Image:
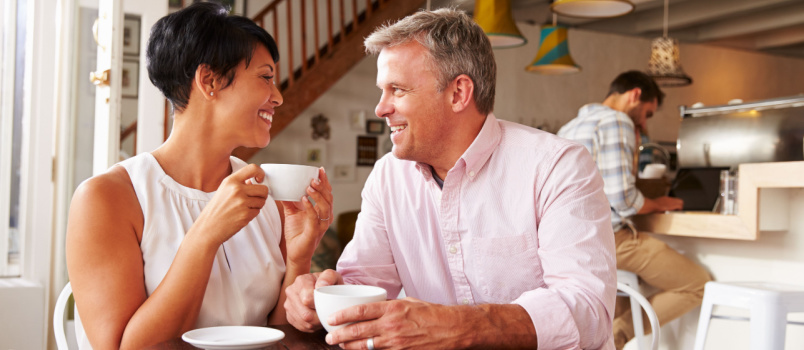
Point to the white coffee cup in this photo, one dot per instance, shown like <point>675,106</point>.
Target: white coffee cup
<point>330,299</point>
<point>288,182</point>
<point>653,171</point>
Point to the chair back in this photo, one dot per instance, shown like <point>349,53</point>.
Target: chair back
<point>654,320</point>
<point>58,317</point>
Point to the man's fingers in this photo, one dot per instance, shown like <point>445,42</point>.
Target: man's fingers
<point>353,334</point>
<point>308,298</point>
<point>328,278</point>
<point>358,313</point>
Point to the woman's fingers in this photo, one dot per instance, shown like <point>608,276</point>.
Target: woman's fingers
<point>255,202</point>
<point>256,190</point>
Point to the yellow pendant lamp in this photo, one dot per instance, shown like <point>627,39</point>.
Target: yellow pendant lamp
<point>553,56</point>
<point>592,8</point>
<point>495,17</point>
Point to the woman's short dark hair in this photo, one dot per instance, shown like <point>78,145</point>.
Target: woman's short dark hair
<point>636,79</point>
<point>202,33</point>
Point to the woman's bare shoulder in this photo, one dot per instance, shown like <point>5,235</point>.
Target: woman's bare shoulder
<point>108,199</point>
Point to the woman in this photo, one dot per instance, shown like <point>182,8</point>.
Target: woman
<point>180,238</point>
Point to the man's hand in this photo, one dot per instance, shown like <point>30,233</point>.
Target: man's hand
<point>399,324</point>
<point>411,323</point>
<point>300,305</point>
<point>661,204</point>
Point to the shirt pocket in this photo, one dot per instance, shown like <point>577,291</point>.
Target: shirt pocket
<point>506,267</point>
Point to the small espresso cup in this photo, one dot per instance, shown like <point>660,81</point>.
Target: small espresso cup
<point>330,299</point>
<point>288,182</point>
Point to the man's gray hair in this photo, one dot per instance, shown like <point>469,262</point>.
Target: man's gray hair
<point>457,45</point>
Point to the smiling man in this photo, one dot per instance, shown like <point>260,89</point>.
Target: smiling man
<point>499,233</point>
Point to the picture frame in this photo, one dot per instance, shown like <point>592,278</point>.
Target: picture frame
<point>131,78</point>
<point>375,127</point>
<point>131,36</point>
<point>314,154</point>
<point>343,173</point>
<point>176,4</point>
<point>366,150</point>
<point>357,120</point>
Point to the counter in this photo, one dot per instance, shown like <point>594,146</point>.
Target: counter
<point>763,205</point>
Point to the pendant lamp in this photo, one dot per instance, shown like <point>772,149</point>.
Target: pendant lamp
<point>497,21</point>
<point>592,8</point>
<point>664,65</point>
<point>553,56</point>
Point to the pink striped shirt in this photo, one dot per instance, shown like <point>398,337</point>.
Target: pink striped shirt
<point>522,218</point>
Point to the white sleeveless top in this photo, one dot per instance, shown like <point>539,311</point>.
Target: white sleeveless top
<point>247,273</point>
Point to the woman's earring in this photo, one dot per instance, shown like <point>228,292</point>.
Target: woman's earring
<point>211,93</point>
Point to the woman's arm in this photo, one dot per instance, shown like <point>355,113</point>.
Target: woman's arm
<point>303,226</point>
<point>105,262</point>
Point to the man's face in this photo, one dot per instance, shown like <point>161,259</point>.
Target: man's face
<point>410,102</point>
<point>641,111</point>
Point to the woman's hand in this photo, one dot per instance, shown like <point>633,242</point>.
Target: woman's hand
<point>234,205</point>
<point>306,223</point>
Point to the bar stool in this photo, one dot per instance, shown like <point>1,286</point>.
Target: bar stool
<point>769,304</point>
<point>630,279</point>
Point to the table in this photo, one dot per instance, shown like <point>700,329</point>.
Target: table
<point>294,339</point>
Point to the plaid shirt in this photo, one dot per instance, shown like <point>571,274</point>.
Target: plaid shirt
<point>609,136</point>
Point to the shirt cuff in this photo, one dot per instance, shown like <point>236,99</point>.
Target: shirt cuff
<point>552,319</point>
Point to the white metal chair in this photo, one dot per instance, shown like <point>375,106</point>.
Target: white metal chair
<point>632,280</point>
<point>769,304</point>
<point>58,317</point>
<point>645,304</point>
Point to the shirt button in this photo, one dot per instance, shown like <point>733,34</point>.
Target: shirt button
<point>453,250</point>
<point>472,173</point>
<point>465,301</point>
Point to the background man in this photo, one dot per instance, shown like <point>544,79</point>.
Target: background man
<point>499,233</point>
<point>610,131</point>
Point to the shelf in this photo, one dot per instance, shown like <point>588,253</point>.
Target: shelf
<point>766,212</point>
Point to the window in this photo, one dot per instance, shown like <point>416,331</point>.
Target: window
<point>12,68</point>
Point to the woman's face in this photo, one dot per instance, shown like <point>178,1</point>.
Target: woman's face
<point>247,106</point>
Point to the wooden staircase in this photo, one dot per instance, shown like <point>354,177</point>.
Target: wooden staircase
<point>306,76</point>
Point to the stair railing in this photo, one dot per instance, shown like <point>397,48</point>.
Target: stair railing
<point>295,39</point>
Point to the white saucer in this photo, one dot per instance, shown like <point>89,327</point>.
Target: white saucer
<point>233,337</point>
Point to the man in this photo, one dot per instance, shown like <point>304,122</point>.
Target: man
<point>498,233</point>
<point>610,131</point>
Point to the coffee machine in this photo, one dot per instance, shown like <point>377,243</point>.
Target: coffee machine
<point>716,138</point>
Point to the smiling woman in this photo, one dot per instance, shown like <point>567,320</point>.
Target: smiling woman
<point>162,238</point>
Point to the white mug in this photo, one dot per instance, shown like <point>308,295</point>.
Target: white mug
<point>330,299</point>
<point>288,182</point>
<point>654,171</point>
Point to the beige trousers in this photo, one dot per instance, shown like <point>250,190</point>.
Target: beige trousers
<point>680,281</point>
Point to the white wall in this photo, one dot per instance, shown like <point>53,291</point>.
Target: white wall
<point>719,75</point>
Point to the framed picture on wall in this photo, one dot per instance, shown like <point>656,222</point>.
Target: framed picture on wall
<point>375,127</point>
<point>131,36</point>
<point>314,154</point>
<point>357,120</point>
<point>175,4</point>
<point>366,150</point>
<point>130,80</point>
<point>343,173</point>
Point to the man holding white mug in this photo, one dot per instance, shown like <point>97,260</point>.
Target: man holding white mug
<point>499,233</point>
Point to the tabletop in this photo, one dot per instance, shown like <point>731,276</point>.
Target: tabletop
<point>294,339</point>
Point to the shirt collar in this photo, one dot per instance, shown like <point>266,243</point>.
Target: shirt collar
<point>478,153</point>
